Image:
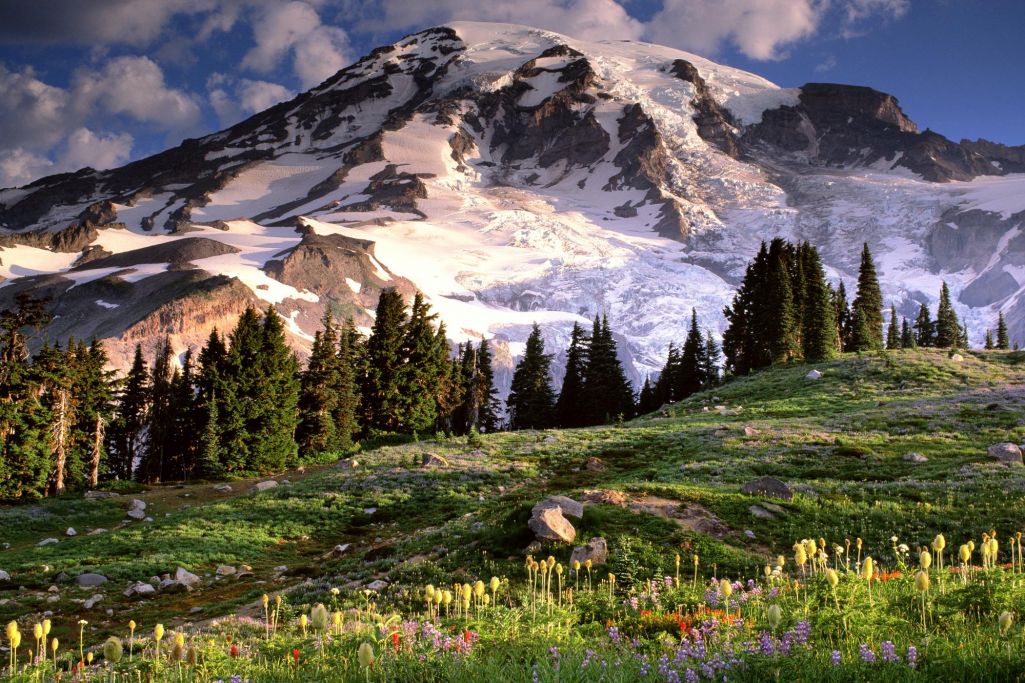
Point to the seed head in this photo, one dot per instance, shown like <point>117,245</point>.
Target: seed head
<point>832,577</point>
<point>926,559</point>
<point>47,624</point>
<point>365,655</point>
<point>939,543</point>
<point>37,631</point>
<point>113,650</point>
<point>1005,621</point>
<point>496,582</point>
<point>964,552</point>
<point>868,569</point>
<point>774,616</point>
<point>922,581</point>
<point>319,618</point>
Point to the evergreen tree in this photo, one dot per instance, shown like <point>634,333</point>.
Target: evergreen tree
<point>925,334</point>
<point>125,440</point>
<point>775,318</point>
<point>1003,341</point>
<point>869,302</point>
<point>893,332</point>
<point>450,396</point>
<point>713,357</point>
<point>962,337</point>
<point>691,376</point>
<point>818,336</point>
<point>531,402</point>
<point>844,321</point>
<point>948,329</point>
<point>53,370</point>
<point>488,418</point>
<point>569,409</point>
<point>907,337</point>
<point>209,448</point>
<point>607,394</point>
<point>273,445</point>
<point>664,385</point>
<point>424,353</point>
<point>988,343</point>
<point>346,388</point>
<point>646,402</point>
<point>741,339</point>
<point>381,391</point>
<point>317,397</point>
<point>160,437</point>
<point>240,392</point>
<point>469,409</point>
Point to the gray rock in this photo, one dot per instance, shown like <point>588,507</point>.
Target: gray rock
<point>100,494</point>
<point>91,602</point>
<point>750,534</point>
<point>150,519</point>
<point>90,580</point>
<point>144,589</point>
<point>772,507</point>
<point>97,532</point>
<point>137,504</point>
<point>226,570</point>
<point>137,514</point>
<point>222,488</point>
<point>172,586</point>
<point>196,610</point>
<point>549,524</point>
<point>47,541</point>
<point>915,457</point>
<point>378,585</point>
<point>281,569</point>
<point>767,486</point>
<point>814,374</point>
<point>568,506</point>
<point>341,548</point>
<point>265,485</point>
<point>1007,453</point>
<point>433,460</point>
<point>4,576</point>
<point>597,551</point>
<point>750,431</point>
<point>348,464</point>
<point>71,531</point>
<point>186,578</point>
<point>760,512</point>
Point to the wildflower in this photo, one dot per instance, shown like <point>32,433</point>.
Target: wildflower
<point>835,658</point>
<point>365,655</point>
<point>295,657</point>
<point>889,652</point>
<point>774,616</point>
<point>303,623</point>
<point>233,651</point>
<point>319,618</point>
<point>832,577</point>
<point>113,650</point>
<point>726,588</point>
<point>89,658</point>
<point>866,654</point>
<point>922,580</point>
<point>912,656</point>
<point>926,559</point>
<point>1005,621</point>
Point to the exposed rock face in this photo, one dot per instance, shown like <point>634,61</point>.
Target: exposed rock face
<point>767,486</point>
<point>715,123</point>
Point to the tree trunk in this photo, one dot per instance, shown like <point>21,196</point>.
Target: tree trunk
<point>59,437</point>
<point>94,473</point>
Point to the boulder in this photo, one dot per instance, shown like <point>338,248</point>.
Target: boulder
<point>4,577</point>
<point>71,531</point>
<point>225,570</point>
<point>760,512</point>
<point>47,541</point>
<point>549,524</point>
<point>139,588</point>
<point>137,514</point>
<point>186,578</point>
<point>91,602</point>
<point>915,457</point>
<point>814,374</point>
<point>265,485</point>
<point>172,586</point>
<point>433,460</point>
<point>597,551</point>
<point>341,548</point>
<point>568,506</point>
<point>137,504</point>
<point>222,488</point>
<point>594,464</point>
<point>348,464</point>
<point>767,486</point>
<point>90,580</point>
<point>378,585</point>
<point>957,358</point>
<point>1007,453</point>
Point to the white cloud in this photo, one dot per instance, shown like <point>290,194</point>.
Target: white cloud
<point>858,12</point>
<point>585,19</point>
<point>231,99</point>
<point>295,29</point>
<point>85,148</point>
<point>32,113</point>
<point>135,86</point>
<point>758,28</point>
<point>19,166</point>
<point>259,95</point>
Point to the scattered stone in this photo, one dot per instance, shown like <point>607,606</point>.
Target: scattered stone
<point>433,460</point>
<point>4,576</point>
<point>150,519</point>
<point>47,541</point>
<point>760,512</point>
<point>100,494</point>
<point>265,485</point>
<point>369,511</point>
<point>567,505</point>
<point>767,486</point>
<point>97,532</point>
<point>750,534</point>
<point>172,586</point>
<point>71,531</point>
<point>91,602</point>
<point>90,580</point>
<point>139,588</point>
<point>772,507</point>
<point>597,551</point>
<point>53,589</point>
<point>602,497</point>
<point>750,431</point>
<point>155,580</point>
<point>222,488</point>
<point>549,524</point>
<point>1007,453</point>
<point>137,504</point>
<point>551,438</point>
<point>226,570</point>
<point>285,482</point>
<point>341,548</point>
<point>915,457</point>
<point>186,578</point>
<point>281,569</point>
<point>53,599</point>
<point>195,610</point>
<point>348,464</point>
<point>957,358</point>
<point>594,464</point>
<point>378,585</point>
<point>814,374</point>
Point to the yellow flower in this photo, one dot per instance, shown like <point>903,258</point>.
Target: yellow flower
<point>495,582</point>
<point>53,645</point>
<point>158,632</point>
<point>926,559</point>
<point>868,569</point>
<point>832,577</point>
<point>12,628</point>
<point>15,639</point>
<point>179,639</point>
<point>89,657</point>
<point>37,631</point>
<point>965,553</point>
<point>726,588</point>
<point>922,582</point>
<point>46,627</point>
<point>939,543</point>
<point>131,625</point>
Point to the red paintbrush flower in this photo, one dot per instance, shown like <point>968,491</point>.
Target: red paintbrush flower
<point>395,640</point>
<point>295,656</point>
<point>234,650</point>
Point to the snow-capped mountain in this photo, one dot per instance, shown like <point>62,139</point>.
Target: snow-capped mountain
<point>516,175</point>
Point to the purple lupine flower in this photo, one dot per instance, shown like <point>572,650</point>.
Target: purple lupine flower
<point>669,581</point>
<point>889,652</point>
<point>588,656</point>
<point>614,635</point>
<point>802,632</point>
<point>672,677</point>
<point>866,654</point>
<point>690,676</point>
<point>534,675</point>
<point>835,658</point>
<point>634,602</point>
<point>912,656</point>
<point>766,645</point>
<point>553,652</point>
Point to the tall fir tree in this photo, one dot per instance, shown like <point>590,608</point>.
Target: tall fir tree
<point>1003,340</point>
<point>691,376</point>
<point>607,394</point>
<point>988,341</point>
<point>488,419</point>
<point>776,317</point>
<point>160,439</point>
<point>893,331</point>
<point>317,398</point>
<point>818,333</point>
<point>666,382</point>
<point>531,402</point>
<point>925,330</point>
<point>713,358</point>
<point>844,322</point>
<point>273,445</point>
<point>125,438</point>
<point>346,388</point>
<point>646,402</point>
<point>907,336</point>
<point>424,352</point>
<point>868,334</point>
<point>568,408</point>
<point>382,390</point>
<point>948,329</point>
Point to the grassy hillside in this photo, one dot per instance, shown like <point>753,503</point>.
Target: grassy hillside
<point>663,484</point>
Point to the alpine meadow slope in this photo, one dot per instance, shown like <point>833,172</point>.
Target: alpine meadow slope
<point>517,175</point>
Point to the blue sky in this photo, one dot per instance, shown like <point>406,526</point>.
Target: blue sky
<point>101,82</point>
